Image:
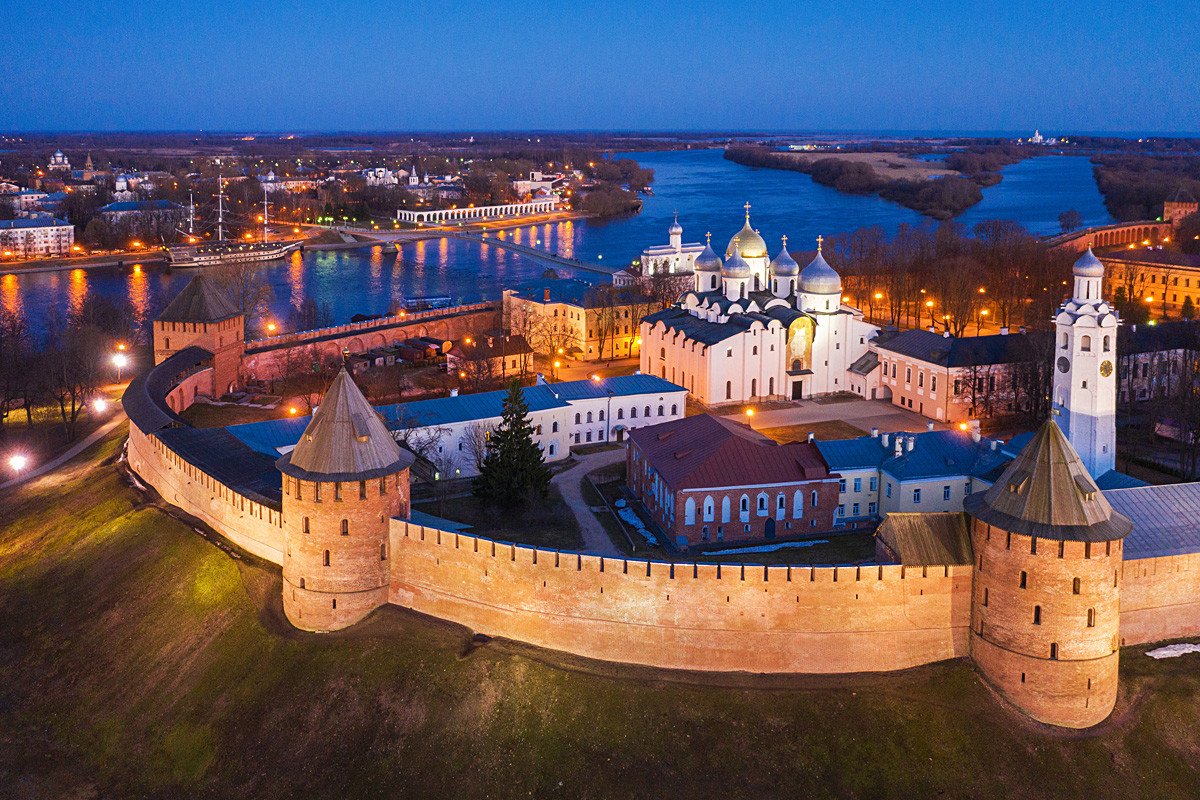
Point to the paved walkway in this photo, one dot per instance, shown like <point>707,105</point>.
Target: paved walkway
<point>118,419</point>
<point>865,414</point>
<point>570,484</point>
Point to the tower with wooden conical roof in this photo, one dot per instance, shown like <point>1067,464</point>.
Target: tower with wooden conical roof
<point>343,482</point>
<point>201,316</point>
<point>1045,606</point>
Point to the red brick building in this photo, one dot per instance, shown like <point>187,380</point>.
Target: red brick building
<point>708,479</point>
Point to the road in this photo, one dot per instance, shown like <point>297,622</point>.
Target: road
<point>570,485</point>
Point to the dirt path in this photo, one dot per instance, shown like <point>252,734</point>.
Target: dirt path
<point>570,484</point>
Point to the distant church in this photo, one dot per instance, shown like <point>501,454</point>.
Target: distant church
<point>755,328</point>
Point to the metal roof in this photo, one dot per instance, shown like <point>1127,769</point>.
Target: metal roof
<point>199,301</point>
<point>346,440</point>
<point>32,222</point>
<point>141,205</point>
<point>219,453</point>
<point>145,399</point>
<point>1164,519</point>
<point>965,351</point>
<point>619,385</point>
<point>1047,492</point>
<point>708,451</point>
<point>935,454</point>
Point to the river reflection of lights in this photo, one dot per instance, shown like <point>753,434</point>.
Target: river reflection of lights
<point>295,276</point>
<point>10,295</point>
<point>77,290</point>
<point>138,286</point>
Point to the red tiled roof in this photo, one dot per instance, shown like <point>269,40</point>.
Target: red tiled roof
<point>708,451</point>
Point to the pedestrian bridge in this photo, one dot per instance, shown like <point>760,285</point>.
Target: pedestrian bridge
<point>537,254</point>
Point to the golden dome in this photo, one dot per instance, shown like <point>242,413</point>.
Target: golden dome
<point>747,241</point>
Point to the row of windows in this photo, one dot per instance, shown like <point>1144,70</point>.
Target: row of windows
<point>841,509</point>
<point>762,507</point>
<point>1037,610</point>
<point>1085,343</point>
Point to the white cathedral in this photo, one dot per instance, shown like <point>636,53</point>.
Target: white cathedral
<point>753,328</point>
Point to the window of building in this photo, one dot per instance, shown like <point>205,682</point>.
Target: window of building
<point>874,484</point>
<point>1091,617</point>
<point>945,492</point>
<point>337,491</point>
<point>1024,578</point>
<point>1037,615</point>
<point>620,415</point>
<point>1085,344</point>
<point>729,352</point>
<point>589,416</point>
<point>916,495</point>
<point>554,426</point>
<point>1075,586</point>
<point>345,527</point>
<point>648,411</point>
<point>305,528</point>
<point>633,413</point>
<point>841,510</point>
<point>870,508</point>
<point>842,486</point>
<point>855,509</point>
<point>858,484</point>
<point>589,436</point>
<point>383,552</point>
<point>888,489</point>
<point>325,559</point>
<point>813,499</point>
<point>932,383</point>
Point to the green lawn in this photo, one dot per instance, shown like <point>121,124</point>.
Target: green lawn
<point>140,660</point>
<point>550,525</point>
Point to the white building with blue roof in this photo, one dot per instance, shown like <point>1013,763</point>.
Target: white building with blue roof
<point>929,471</point>
<point>450,431</point>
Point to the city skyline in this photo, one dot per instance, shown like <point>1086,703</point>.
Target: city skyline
<point>284,66</point>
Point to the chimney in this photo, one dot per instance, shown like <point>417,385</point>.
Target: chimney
<point>1021,329</point>
<point>995,444</point>
<point>1004,331</point>
<point>884,439</point>
<point>454,392</point>
<point>899,446</point>
<point>909,443</point>
<point>811,436</point>
<point>546,295</point>
<point>874,433</point>
<point>931,329</point>
<point>945,334</point>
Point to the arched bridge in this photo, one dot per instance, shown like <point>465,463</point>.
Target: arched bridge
<point>1116,235</point>
<point>540,255</point>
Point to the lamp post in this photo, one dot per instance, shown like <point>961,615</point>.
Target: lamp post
<point>983,312</point>
<point>120,361</point>
<point>17,463</point>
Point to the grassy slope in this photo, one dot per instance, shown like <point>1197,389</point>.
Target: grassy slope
<point>140,660</point>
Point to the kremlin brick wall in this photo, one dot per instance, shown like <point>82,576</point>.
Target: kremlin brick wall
<point>686,616</point>
<point>1160,598</point>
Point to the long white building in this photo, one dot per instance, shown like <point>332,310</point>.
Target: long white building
<point>757,329</point>
<point>36,236</point>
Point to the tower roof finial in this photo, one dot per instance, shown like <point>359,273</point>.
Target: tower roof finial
<point>708,237</point>
<point>784,237</point>
<point>747,212</point>
<point>820,239</point>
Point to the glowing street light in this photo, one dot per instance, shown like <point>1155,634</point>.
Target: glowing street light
<point>271,326</point>
<point>120,361</point>
<point>17,463</point>
<point>100,405</point>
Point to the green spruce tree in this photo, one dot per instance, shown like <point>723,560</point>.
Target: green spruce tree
<point>1189,309</point>
<point>513,470</point>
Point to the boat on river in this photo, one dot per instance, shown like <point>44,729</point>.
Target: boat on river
<point>215,254</point>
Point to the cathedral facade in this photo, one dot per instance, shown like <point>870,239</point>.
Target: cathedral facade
<point>754,328</point>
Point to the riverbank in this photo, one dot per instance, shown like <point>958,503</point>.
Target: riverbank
<point>86,262</point>
<point>935,192</point>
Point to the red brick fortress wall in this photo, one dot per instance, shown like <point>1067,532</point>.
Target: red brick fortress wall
<point>686,616</point>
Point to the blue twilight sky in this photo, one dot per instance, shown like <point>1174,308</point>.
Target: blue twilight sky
<point>1065,65</point>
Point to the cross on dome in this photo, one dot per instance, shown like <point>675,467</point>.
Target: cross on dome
<point>784,237</point>
<point>708,237</point>
<point>819,240</point>
<point>747,212</point>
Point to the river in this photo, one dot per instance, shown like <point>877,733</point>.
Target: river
<point>706,190</point>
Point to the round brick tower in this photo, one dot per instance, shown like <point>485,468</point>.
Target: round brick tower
<point>343,481</point>
<point>1045,607</point>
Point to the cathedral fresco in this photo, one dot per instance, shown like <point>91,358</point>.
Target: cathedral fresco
<point>799,343</point>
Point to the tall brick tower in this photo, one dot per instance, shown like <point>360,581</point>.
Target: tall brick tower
<point>1045,606</point>
<point>341,484</point>
<point>203,317</point>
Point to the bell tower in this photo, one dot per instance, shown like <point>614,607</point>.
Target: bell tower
<point>1085,385</point>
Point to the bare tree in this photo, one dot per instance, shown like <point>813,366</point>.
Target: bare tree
<point>246,287</point>
<point>960,276</point>
<point>476,438</point>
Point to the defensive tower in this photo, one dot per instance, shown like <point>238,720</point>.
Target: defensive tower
<point>201,316</point>
<point>341,484</point>
<point>1046,599</point>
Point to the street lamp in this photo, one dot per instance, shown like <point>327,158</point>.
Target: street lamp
<point>929,305</point>
<point>100,405</point>
<point>120,361</point>
<point>18,463</point>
